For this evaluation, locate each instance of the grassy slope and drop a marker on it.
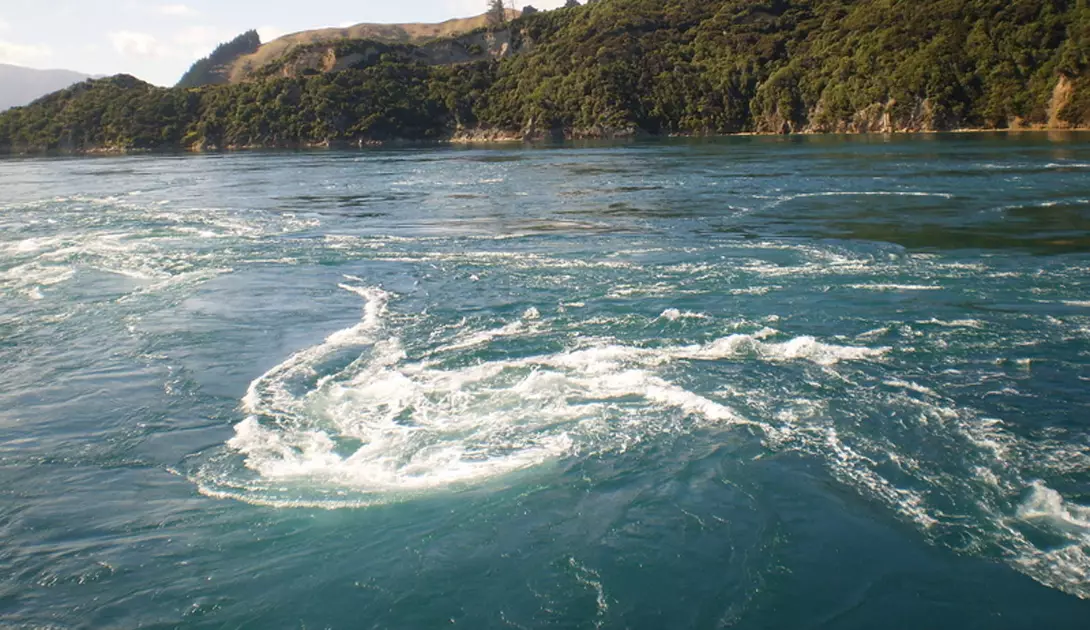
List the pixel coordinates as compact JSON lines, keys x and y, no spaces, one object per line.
{"x":392,"y":33}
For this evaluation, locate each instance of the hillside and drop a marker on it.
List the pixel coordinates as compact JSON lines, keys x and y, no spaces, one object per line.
{"x":617,"y":68}
{"x":243,"y":67}
{"x":20,"y":86}
{"x":215,"y":69}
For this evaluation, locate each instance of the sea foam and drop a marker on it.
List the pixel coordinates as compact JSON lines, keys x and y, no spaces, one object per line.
{"x":355,"y":412}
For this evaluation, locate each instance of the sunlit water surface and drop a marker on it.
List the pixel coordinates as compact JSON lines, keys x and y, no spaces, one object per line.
{"x":753,"y":383}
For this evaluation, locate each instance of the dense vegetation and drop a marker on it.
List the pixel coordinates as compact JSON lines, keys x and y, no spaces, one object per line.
{"x":212,"y":69}
{"x":626,"y":66}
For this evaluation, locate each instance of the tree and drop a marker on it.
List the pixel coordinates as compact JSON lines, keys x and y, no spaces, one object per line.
{"x":497,"y":13}
{"x":529,"y":10}
{"x":571,"y":4}
{"x":212,"y":69}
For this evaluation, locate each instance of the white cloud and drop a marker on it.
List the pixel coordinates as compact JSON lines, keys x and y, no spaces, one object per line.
{"x":21,"y":54}
{"x":4,"y":25}
{"x":178,"y":10}
{"x":198,"y":41}
{"x":130,"y":43}
{"x":188,"y":43}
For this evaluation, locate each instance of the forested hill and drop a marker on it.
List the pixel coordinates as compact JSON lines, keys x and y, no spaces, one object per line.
{"x":216,"y":67}
{"x":617,"y":67}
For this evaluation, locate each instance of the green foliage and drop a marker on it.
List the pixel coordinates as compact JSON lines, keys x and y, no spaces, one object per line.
{"x":657,"y":66}
{"x":210,"y":70}
{"x":497,"y":13}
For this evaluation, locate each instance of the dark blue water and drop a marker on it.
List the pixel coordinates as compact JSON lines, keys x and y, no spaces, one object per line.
{"x":750,"y":383}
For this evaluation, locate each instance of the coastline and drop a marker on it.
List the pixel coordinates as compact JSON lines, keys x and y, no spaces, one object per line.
{"x":506,"y":138}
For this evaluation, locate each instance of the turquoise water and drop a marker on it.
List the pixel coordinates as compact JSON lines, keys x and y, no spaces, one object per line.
{"x":751,"y":383}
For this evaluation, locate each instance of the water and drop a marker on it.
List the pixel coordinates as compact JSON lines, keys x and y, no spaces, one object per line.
{"x":753,"y":383}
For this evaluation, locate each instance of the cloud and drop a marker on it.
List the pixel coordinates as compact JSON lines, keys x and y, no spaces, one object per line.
{"x":130,"y":43}
{"x":178,"y":10}
{"x":198,"y":41}
{"x":21,"y":54}
{"x":189,"y":43}
{"x":4,"y":25}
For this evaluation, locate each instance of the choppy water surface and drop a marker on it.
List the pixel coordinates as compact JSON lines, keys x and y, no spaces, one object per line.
{"x":754,"y":383}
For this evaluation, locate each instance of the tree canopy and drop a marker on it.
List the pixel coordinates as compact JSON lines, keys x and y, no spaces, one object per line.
{"x":497,"y":13}
{"x":210,"y":70}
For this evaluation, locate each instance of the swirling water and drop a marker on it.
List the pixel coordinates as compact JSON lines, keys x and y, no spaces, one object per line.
{"x":753,"y":383}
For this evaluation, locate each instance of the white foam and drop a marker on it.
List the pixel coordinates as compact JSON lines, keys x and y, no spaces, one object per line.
{"x":30,"y":278}
{"x":956,"y":323}
{"x":857,"y":470}
{"x":1047,"y":505}
{"x":760,"y":290}
{"x":387,"y":425}
{"x":916,"y":387}
{"x":656,"y":289}
{"x":894,"y":287}
{"x":1064,"y":566}
{"x":875,"y":193}
{"x":875,"y":332}
{"x":673,"y":314}
{"x":1067,"y":165}
{"x":473,"y":339}
{"x":804,"y":348}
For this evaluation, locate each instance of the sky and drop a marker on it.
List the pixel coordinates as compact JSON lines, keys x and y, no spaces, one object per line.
{"x":157,"y":40}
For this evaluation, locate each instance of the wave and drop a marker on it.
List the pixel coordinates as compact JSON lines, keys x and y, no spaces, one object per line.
{"x":895,"y":287}
{"x":1047,"y":505}
{"x":1071,"y":165}
{"x":673,"y":315}
{"x":874,"y":193}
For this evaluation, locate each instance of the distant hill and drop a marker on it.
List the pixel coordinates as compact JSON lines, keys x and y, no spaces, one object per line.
{"x":20,"y":86}
{"x":244,"y":66}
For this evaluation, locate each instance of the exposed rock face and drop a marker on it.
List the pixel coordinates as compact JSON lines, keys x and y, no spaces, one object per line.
{"x":485,"y":136}
{"x":1061,"y":97}
{"x":1073,"y":106}
{"x":884,"y":117}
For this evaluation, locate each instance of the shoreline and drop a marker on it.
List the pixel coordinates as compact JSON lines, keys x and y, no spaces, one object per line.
{"x":489,"y":138}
